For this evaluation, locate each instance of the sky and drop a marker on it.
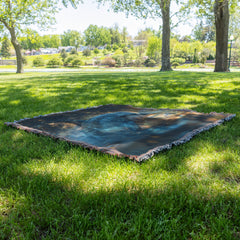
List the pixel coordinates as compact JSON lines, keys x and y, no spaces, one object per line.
{"x":88,"y":13}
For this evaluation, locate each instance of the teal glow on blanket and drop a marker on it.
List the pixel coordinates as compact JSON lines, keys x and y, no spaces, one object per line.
{"x":122,"y":130}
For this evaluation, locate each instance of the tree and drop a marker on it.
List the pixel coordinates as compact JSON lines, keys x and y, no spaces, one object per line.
{"x":144,"y":35}
{"x":50,"y":41}
{"x":234,"y":25}
{"x":86,"y":52}
{"x":72,"y":38}
{"x":144,"y":9}
{"x":124,"y":35}
{"x":5,"y":49}
{"x":205,"y":32}
{"x":63,"y":54}
{"x":115,"y":35}
{"x":97,"y":36}
{"x":165,"y":9}
{"x":221,"y":10}
{"x":186,"y":38}
{"x":154,"y":48}
{"x":15,"y":15}
{"x":31,"y":41}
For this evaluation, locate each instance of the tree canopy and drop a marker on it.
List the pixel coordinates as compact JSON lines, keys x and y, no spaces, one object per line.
{"x":234,"y":25}
{"x":97,"y":36}
{"x":145,"y":9}
{"x":17,"y":15}
{"x":5,"y":49}
{"x":22,"y":13}
{"x":220,"y":10}
{"x":71,"y":38}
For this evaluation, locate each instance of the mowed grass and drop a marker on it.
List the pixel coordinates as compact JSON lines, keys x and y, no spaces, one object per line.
{"x":53,"y":190}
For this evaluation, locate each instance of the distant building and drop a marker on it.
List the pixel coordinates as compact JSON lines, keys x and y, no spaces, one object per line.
{"x":82,"y":48}
{"x":137,"y":43}
{"x":102,"y":47}
{"x":48,"y":50}
{"x":33,"y":52}
{"x":67,"y":48}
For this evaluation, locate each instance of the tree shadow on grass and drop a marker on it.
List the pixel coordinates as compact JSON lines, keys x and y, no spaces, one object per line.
{"x":68,"y":91}
{"x":45,"y":203}
{"x":110,"y":198}
{"x":39,"y":95}
{"x":43,"y":206}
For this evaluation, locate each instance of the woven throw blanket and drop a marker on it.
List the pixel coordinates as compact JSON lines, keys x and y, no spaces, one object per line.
{"x":123,"y":130}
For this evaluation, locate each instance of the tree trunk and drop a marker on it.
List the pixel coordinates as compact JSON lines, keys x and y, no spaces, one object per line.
{"x":17,"y":48}
{"x":165,"y":8}
{"x":221,"y":12}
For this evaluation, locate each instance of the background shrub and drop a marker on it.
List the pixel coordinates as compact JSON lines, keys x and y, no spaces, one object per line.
{"x":203,"y":59}
{"x":118,"y":52}
{"x":105,"y":51}
{"x":130,"y":63}
{"x":68,"y":60}
{"x":73,"y":61}
{"x":38,"y":62}
{"x":63,"y":54}
{"x":175,"y":64}
{"x":109,"y":48}
{"x":86,"y":52}
{"x":74,"y":51}
{"x":97,"y":62}
{"x":126,"y":59}
{"x":150,"y":62}
{"x":178,"y":60}
{"x":119,"y":60}
{"x":96,"y":50}
{"x":24,"y":60}
{"x":109,"y":61}
{"x":138,"y":62}
{"x":125,"y":50}
{"x":54,"y":62}
{"x":115,"y":46}
{"x":76,"y":62}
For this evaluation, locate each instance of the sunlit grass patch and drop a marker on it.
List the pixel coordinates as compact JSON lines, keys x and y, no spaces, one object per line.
{"x":52,"y":190}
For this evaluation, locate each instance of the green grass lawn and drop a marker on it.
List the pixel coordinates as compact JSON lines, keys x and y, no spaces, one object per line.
{"x":53,"y":190}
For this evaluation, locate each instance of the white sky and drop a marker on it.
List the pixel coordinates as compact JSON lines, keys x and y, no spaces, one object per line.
{"x":88,"y":13}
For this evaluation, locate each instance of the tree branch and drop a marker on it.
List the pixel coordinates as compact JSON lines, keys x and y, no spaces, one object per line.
{"x":5,"y":23}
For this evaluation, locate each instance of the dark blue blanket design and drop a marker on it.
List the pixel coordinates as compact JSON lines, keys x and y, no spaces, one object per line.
{"x":123,"y":130}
